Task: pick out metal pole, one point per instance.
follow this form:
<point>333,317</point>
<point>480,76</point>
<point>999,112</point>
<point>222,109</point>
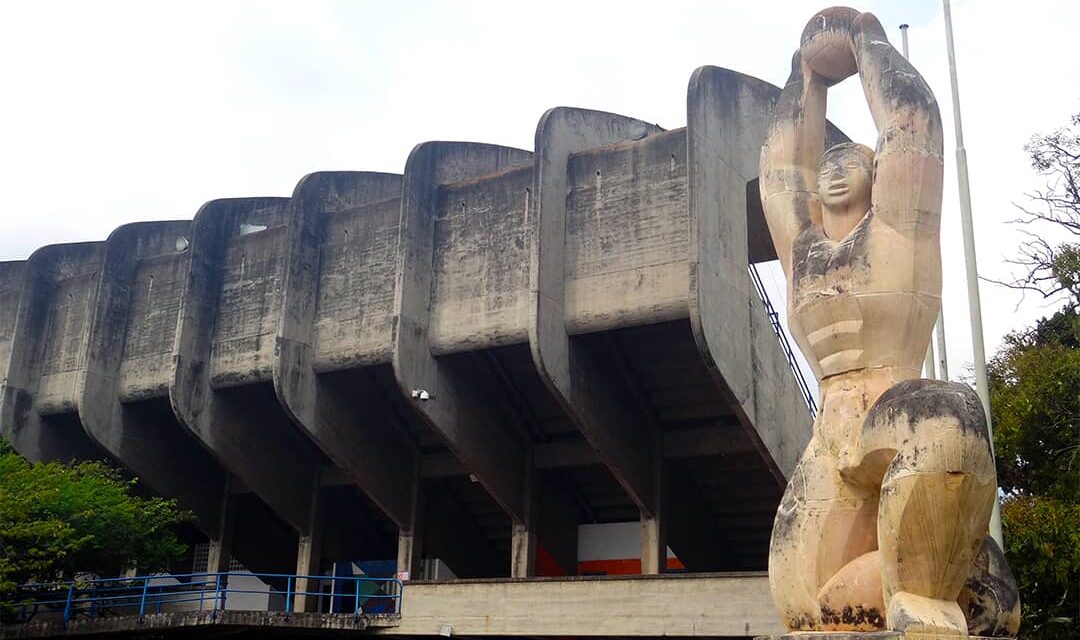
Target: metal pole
<point>930,360</point>
<point>288,597</point>
<point>974,305</point>
<point>67,604</point>
<point>142,600</point>
<point>943,358</point>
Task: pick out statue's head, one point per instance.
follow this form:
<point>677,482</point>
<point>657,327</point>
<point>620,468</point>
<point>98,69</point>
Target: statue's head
<point>845,180</point>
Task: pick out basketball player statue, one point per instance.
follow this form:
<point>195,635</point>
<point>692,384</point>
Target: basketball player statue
<point>883,525</point>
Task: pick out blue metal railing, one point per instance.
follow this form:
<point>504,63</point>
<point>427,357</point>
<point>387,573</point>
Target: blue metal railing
<point>142,595</point>
<point>781,336</point>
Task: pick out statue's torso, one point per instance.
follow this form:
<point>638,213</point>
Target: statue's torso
<point>867,301</point>
<point>862,310</point>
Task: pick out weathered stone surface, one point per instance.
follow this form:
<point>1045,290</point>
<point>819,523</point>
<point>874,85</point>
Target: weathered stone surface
<point>890,502</point>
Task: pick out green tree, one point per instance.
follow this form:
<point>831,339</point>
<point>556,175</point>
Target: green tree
<point>1035,403</point>
<point>59,520</point>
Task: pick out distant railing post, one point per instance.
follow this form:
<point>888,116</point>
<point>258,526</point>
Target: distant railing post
<point>142,600</point>
<point>288,596</point>
<point>356,607</point>
<point>67,604</point>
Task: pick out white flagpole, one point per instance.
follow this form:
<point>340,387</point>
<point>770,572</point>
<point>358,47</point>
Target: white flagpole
<point>974,305</point>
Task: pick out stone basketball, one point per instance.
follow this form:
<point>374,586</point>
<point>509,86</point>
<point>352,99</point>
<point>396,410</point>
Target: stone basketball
<point>825,44</point>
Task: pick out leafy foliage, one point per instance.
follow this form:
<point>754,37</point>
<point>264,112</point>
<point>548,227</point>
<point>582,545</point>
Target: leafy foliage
<point>59,520</point>
<point>1042,543</point>
<point>1035,404</point>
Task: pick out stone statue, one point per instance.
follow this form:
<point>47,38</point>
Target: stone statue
<point>883,524</point>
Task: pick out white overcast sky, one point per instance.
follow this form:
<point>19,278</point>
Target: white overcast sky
<point>113,112</point>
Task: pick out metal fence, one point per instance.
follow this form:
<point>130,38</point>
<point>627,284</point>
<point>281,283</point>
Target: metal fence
<point>143,595</point>
<point>781,336</point>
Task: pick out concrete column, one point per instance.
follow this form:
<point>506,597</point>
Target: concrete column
<point>587,383</point>
<point>410,539</point>
<point>653,538</point>
<point>452,405</point>
<point>653,548</point>
<point>727,114</point>
<point>219,555</point>
<point>309,553</point>
<point>523,534</point>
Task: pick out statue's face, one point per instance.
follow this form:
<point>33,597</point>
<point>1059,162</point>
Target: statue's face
<point>844,181</point>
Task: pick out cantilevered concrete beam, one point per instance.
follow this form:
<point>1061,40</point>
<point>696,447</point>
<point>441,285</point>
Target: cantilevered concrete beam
<point>12,277</point>
<point>366,442</point>
<point>591,388</point>
<point>239,426</point>
<point>354,427</point>
<point>160,452</point>
<point>726,117</point>
<point>46,350</point>
<point>453,406</point>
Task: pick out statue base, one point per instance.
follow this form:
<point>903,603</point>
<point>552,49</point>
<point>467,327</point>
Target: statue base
<point>871,636</point>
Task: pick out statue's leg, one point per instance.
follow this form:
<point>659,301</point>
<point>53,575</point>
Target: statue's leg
<point>821,526</point>
<point>936,497</point>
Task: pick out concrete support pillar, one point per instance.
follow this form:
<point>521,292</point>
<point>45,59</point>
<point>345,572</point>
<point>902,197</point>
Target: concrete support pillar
<point>524,533</point>
<point>653,539</point>
<point>219,555</point>
<point>653,548</point>
<point>410,539</point>
<point>309,554</point>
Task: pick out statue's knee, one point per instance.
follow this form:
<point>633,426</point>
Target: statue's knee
<point>913,406</point>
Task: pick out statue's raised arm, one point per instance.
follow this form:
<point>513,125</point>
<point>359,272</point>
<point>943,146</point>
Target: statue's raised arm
<point>909,145</point>
<point>790,155</point>
<point>803,185</point>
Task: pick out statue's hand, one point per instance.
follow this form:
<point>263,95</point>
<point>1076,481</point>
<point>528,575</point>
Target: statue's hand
<point>826,44</point>
<point>866,28</point>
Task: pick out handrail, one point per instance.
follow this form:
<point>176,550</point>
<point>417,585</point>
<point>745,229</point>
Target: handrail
<point>781,337</point>
<point>137,595</point>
